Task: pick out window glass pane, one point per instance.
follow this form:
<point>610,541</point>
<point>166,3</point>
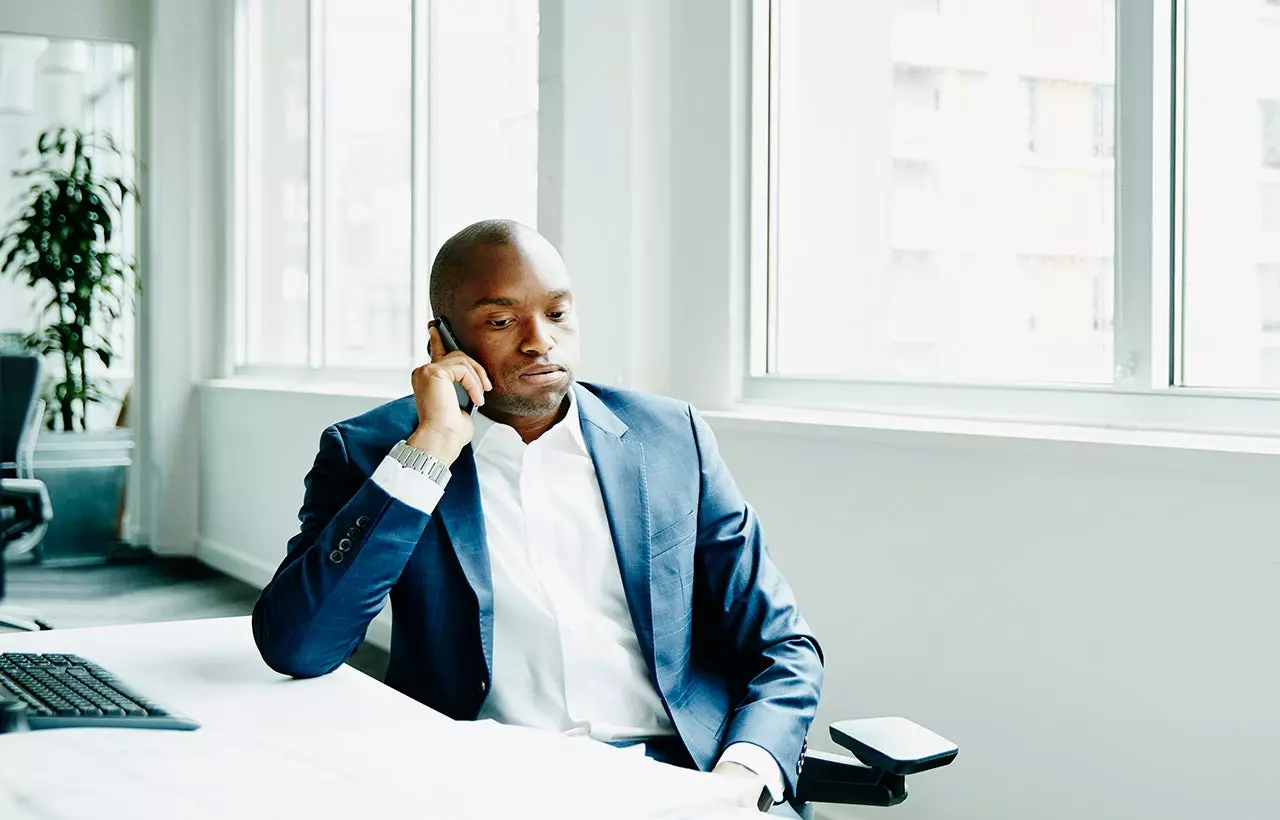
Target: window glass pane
<point>367,219</point>
<point>481,162</point>
<point>1231,288</point>
<point>946,179</point>
<point>109,88</point>
<point>276,220</point>
<point>486,128</point>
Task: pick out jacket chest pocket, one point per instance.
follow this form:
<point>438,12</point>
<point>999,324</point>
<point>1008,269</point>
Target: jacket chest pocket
<point>672,571</point>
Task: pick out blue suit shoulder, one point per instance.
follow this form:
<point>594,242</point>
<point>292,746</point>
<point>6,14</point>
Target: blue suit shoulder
<point>370,436</point>
<point>645,415</point>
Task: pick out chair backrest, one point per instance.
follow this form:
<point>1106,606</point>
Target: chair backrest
<point>19,386</point>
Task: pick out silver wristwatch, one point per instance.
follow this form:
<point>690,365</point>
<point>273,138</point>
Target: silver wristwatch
<point>422,461</point>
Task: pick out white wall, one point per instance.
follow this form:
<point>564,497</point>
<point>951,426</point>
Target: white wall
<point>1093,624</point>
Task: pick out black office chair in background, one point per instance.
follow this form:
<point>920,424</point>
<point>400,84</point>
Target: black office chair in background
<point>24,500</point>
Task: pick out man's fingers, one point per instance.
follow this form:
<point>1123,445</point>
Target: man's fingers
<point>459,369</point>
<point>482,378</point>
<point>480,374</point>
<point>434,345</point>
<point>472,382</point>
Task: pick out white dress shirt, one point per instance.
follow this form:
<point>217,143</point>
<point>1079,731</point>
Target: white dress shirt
<point>565,653</point>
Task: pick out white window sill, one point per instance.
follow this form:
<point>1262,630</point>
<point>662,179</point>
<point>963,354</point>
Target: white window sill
<point>890,428</point>
<point>372,391</point>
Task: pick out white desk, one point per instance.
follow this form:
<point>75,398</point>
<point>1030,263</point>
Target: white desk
<point>340,746</point>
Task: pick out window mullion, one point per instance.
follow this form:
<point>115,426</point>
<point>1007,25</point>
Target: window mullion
<point>420,150</point>
<point>316,243</point>
<point>759,331</point>
<point>246,216</point>
<point>1177,193</point>
<point>1143,191</point>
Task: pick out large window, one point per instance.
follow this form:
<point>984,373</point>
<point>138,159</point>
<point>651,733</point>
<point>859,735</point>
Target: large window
<point>1232,199</point>
<point>948,200</point>
<point>944,178</point>
<point>368,132</point>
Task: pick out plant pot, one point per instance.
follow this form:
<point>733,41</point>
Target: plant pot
<point>86,474</point>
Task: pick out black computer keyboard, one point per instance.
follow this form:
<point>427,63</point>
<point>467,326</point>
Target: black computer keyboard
<point>67,690</point>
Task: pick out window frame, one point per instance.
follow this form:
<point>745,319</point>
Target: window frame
<point>244,208</point>
<point>1148,333</point>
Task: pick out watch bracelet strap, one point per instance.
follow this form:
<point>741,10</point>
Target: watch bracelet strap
<point>421,461</point>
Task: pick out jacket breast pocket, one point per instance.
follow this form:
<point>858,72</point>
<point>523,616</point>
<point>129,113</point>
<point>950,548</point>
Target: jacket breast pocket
<point>671,563</point>
<point>683,530</point>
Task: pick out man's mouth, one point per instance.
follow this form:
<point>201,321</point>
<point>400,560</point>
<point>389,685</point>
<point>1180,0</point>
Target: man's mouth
<point>548,374</point>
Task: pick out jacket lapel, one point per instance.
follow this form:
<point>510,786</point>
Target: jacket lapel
<point>620,470</point>
<point>463,517</point>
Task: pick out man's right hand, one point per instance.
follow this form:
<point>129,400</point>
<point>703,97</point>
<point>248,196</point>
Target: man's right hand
<point>443,429</point>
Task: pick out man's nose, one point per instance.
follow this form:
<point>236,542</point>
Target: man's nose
<point>539,338</point>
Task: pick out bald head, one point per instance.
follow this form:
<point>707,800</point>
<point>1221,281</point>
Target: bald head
<point>453,261</point>
<point>505,291</point>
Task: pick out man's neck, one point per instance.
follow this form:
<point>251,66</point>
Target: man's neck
<point>529,428</point>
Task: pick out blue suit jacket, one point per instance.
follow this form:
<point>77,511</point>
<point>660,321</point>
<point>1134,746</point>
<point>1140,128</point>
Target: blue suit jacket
<point>729,652</point>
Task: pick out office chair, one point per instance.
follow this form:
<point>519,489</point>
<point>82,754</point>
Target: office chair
<point>25,509</point>
<point>887,750</point>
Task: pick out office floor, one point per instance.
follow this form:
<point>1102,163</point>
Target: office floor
<point>139,590</point>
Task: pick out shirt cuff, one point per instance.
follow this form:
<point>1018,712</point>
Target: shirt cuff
<point>759,761</point>
<point>407,485</point>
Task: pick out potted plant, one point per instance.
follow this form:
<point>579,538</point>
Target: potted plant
<point>63,243</point>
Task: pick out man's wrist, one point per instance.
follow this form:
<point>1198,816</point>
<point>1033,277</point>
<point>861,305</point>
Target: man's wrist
<point>441,446</point>
<point>420,461</point>
<point>764,798</point>
<point>760,762</point>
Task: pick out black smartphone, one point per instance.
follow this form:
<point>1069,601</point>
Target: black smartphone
<point>450,345</point>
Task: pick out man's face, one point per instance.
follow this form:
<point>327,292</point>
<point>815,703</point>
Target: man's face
<point>514,314</point>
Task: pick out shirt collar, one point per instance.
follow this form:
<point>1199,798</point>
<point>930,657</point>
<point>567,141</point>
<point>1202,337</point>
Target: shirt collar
<point>570,426</point>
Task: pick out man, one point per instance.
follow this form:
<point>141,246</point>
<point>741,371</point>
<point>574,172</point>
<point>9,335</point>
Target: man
<point>571,557</point>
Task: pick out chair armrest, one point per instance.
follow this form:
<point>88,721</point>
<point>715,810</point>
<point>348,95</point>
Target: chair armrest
<point>894,744</point>
<point>887,749</point>
<point>33,491</point>
<point>836,778</point>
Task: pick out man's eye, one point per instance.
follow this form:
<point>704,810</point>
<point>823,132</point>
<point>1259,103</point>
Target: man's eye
<point>500,322</point>
<point>557,315</point>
